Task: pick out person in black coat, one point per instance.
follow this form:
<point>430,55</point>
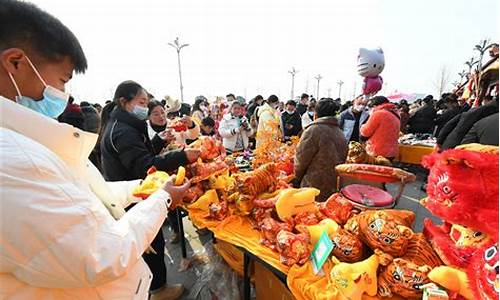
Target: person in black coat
<point>484,131</point>
<point>455,130</point>
<point>452,109</point>
<point>291,120</point>
<point>423,120</point>
<point>303,104</point>
<point>127,153</point>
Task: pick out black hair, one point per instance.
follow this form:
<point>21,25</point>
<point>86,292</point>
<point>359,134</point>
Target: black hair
<point>428,99</point>
<point>84,104</point>
<point>258,97</point>
<point>326,108</point>
<point>27,27</point>
<point>96,105</point>
<point>208,121</point>
<point>152,105</point>
<point>304,96</point>
<point>272,99</point>
<point>150,96</point>
<point>185,109</point>
<point>127,91</point>
<point>197,104</point>
<point>291,102</point>
<point>230,95</point>
<point>378,100</point>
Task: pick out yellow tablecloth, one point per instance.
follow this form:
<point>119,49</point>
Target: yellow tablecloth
<point>238,231</point>
<point>410,154</point>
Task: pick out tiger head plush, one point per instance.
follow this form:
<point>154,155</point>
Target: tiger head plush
<point>346,246</point>
<point>356,153</point>
<point>404,278</point>
<point>386,230</point>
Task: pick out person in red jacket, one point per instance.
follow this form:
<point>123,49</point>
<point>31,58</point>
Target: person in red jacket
<point>382,129</point>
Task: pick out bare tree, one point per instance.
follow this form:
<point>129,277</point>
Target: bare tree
<point>442,80</point>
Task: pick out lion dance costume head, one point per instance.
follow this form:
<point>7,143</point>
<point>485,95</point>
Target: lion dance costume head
<point>463,191</point>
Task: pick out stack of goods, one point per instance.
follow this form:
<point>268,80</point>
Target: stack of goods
<point>419,139</point>
<point>273,150</point>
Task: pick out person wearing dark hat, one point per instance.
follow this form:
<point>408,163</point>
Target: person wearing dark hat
<point>291,121</point>
<point>303,103</point>
<point>72,115</point>
<point>423,119</point>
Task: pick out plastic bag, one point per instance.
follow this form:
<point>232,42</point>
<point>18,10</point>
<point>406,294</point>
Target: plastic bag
<point>216,280</point>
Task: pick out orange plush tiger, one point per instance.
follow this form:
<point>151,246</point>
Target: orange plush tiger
<point>346,246</point>
<point>387,230</point>
<point>404,276</point>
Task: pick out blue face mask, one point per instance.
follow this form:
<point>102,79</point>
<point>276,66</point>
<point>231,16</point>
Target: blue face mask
<point>140,112</point>
<point>53,102</point>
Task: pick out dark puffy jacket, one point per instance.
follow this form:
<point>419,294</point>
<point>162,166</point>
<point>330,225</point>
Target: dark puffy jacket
<point>127,152</point>
<point>484,131</point>
<point>455,130</point>
<point>423,120</point>
<point>447,115</point>
<point>91,119</point>
<point>293,120</point>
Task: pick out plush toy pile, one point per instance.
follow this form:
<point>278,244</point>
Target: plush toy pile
<point>375,252</point>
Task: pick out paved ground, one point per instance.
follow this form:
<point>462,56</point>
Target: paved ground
<point>197,244</point>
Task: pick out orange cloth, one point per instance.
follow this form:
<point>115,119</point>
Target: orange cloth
<point>382,129</point>
<point>305,285</point>
<point>238,231</point>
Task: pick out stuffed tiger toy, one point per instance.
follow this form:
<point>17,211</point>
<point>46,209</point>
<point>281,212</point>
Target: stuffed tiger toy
<point>404,276</point>
<point>347,247</point>
<point>388,230</point>
<point>358,155</point>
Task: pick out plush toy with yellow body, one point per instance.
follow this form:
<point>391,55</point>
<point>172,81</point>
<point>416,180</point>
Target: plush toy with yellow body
<point>155,180</point>
<point>295,201</point>
<point>204,202</point>
<point>354,280</point>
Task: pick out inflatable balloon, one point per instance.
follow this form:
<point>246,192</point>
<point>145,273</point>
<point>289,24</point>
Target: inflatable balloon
<point>371,63</point>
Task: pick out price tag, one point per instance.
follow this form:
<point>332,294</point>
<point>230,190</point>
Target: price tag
<point>321,251</point>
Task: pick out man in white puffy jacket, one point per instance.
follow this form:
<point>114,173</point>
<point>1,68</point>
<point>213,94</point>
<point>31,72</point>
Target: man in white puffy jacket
<point>64,233</point>
<point>235,129</point>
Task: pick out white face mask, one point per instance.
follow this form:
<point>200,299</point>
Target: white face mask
<point>359,107</point>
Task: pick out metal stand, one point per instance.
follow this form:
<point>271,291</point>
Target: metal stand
<point>181,231</point>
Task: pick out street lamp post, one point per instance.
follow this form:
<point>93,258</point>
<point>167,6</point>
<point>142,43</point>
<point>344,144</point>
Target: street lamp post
<point>293,72</point>
<point>318,78</point>
<point>340,83</point>
<point>177,46</point>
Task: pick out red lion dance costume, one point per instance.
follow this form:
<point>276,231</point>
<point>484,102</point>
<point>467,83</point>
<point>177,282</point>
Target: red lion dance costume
<point>463,191</point>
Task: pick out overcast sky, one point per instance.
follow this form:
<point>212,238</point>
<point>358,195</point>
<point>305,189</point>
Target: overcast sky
<point>247,47</point>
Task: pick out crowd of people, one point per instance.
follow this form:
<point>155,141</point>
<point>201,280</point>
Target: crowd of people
<point>83,233</point>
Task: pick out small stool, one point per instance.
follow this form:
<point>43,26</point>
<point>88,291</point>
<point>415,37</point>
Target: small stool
<point>365,196</point>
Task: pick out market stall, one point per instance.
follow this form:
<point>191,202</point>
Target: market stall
<point>335,250</point>
<point>412,148</point>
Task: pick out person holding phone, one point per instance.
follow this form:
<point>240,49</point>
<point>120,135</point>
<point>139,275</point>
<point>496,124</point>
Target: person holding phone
<point>235,129</point>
